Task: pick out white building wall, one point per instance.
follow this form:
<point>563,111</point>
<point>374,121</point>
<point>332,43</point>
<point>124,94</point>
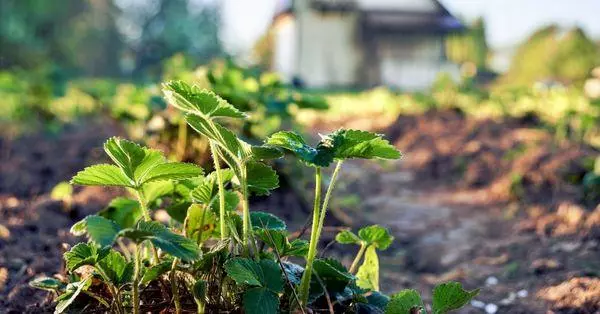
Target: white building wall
<point>328,55</point>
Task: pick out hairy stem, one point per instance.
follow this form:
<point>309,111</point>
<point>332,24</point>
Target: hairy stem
<point>328,194</point>
<point>314,239</point>
<point>359,255</point>
<point>215,157</point>
<point>174,288</point>
<point>246,223</point>
<point>146,213</point>
<point>136,279</point>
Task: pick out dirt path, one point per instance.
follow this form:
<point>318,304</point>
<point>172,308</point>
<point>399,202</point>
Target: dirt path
<point>478,246</point>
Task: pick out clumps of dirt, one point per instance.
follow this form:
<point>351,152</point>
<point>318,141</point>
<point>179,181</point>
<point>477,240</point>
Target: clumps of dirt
<point>568,219</point>
<point>495,162</point>
<point>32,164</point>
<point>34,227</point>
<point>577,295</point>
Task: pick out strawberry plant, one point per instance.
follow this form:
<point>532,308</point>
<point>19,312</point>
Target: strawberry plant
<point>209,257</point>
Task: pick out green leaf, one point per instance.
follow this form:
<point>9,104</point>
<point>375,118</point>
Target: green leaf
<point>72,291</point>
<point>125,154</point>
<point>321,156</point>
<point>155,190</point>
<point>84,254</point>
<point>173,244</point>
<point>367,276</point>
<point>261,178</point>
<point>277,239</point>
<point>376,235</point>
<point>155,271</point>
<point>178,210</point>
<point>125,212</point>
<point>192,100</point>
<point>46,283</point>
<point>262,220</point>
<point>244,271</point>
<point>231,202</point>
<point>347,237</point>
<point>273,279</point>
<point>170,171</point>
<point>201,223</point>
<point>265,152</point>
<point>407,301</point>
<point>116,267</point>
<point>103,174</point>
<point>265,273</point>
<point>261,301</point>
<point>199,290</point>
<point>333,274</point>
<point>99,230</point>
<point>142,165</point>
<point>451,296</point>
<point>61,191</point>
<point>224,138</point>
<point>363,144</point>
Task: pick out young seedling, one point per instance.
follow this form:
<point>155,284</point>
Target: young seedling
<point>339,146</point>
<point>370,239</point>
<point>135,168</point>
<point>202,109</point>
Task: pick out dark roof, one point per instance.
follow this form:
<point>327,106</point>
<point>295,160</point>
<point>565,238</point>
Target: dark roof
<point>386,20</point>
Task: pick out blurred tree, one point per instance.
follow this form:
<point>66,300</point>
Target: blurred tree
<point>177,27</point>
<point>552,54</point>
<point>469,46</point>
<point>77,36</point>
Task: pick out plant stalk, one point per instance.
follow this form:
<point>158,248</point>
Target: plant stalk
<point>215,157</point>
<point>146,213</point>
<point>359,255</point>
<point>136,279</point>
<point>174,288</point>
<point>246,223</point>
<point>328,194</point>
<point>314,239</point>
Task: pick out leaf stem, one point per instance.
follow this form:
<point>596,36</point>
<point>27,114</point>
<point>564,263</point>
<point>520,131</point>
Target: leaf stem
<point>174,288</point>
<point>215,157</point>
<point>246,223</point>
<point>328,194</point>
<point>359,255</point>
<point>136,279</point>
<point>146,213</point>
<point>314,239</point>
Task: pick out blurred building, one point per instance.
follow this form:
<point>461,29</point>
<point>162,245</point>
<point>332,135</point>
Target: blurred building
<point>363,43</point>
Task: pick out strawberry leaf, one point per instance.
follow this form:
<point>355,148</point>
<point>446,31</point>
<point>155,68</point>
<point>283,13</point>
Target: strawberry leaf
<point>172,243</point>
<point>261,301</point>
<point>451,296</point>
<point>192,100</point>
<point>407,301</point>
<point>116,268</point>
<point>84,254</point>
<point>367,276</point>
<point>376,235</point>
<point>362,144</point>
<point>103,174</point>
<point>98,229</point>
<point>347,237</point>
<point>125,212</point>
<point>261,178</point>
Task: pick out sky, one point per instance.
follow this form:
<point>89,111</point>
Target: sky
<point>508,21</point>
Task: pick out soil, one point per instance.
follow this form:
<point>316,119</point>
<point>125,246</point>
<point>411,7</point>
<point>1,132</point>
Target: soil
<point>494,205</point>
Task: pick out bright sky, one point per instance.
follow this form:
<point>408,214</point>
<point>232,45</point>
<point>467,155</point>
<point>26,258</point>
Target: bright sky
<point>508,21</point>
